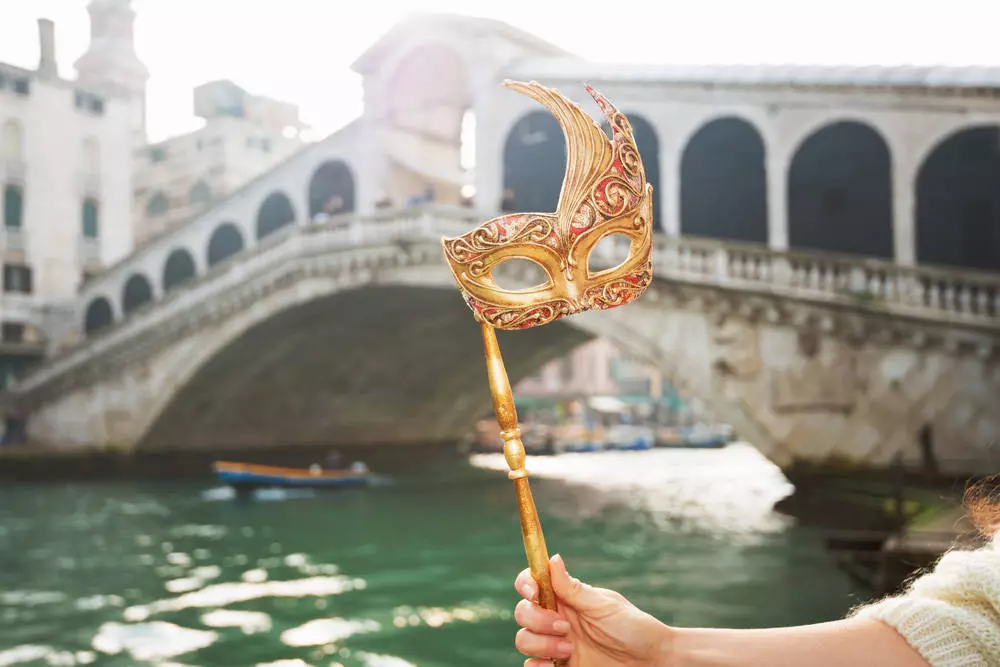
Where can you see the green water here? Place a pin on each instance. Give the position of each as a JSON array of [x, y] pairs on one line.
[[415, 571]]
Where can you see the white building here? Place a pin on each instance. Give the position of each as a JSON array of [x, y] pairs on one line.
[[65, 174], [244, 136]]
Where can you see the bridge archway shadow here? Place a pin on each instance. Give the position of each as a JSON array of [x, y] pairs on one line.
[[370, 365], [958, 201], [724, 182], [840, 192]]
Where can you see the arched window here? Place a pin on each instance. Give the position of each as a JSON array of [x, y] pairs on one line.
[[13, 207], [157, 205], [136, 293], [226, 241], [12, 141], [200, 193], [89, 218], [534, 163], [98, 316], [331, 189], [724, 183], [840, 192], [276, 212], [178, 269], [958, 201]]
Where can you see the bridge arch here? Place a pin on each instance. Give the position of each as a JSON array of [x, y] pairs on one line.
[[178, 269], [99, 315], [331, 189], [275, 212], [226, 241], [958, 201], [724, 182], [534, 163], [384, 372], [839, 191], [137, 292]]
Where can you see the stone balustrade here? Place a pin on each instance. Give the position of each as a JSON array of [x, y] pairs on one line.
[[928, 293], [946, 295]]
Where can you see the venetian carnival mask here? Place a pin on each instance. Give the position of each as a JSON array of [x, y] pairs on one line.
[[604, 193]]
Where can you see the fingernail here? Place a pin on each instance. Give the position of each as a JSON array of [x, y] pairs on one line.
[[529, 591], [562, 627], [565, 647], [558, 559]]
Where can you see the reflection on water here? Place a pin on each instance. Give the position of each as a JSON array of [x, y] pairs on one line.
[[411, 574], [724, 491]]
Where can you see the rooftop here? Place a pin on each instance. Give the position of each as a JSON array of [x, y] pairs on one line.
[[903, 76]]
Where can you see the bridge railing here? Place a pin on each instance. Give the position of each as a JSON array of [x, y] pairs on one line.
[[258, 265], [966, 297], [959, 295]]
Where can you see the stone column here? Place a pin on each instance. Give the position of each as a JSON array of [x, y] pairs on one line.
[[670, 187], [370, 153], [776, 163], [490, 134], [904, 209]]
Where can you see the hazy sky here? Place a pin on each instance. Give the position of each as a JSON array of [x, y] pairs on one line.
[[301, 50]]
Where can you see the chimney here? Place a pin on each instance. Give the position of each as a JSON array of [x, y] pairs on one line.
[[47, 67]]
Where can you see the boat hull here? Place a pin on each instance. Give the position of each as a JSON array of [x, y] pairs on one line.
[[248, 477]]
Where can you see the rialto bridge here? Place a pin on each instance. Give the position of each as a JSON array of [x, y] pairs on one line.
[[826, 265]]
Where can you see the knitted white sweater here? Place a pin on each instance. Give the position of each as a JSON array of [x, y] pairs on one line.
[[950, 616]]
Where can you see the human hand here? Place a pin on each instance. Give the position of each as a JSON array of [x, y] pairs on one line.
[[594, 627]]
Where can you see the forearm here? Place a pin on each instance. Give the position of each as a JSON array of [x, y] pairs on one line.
[[848, 643]]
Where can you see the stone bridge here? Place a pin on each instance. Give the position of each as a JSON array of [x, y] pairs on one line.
[[352, 331], [803, 215]]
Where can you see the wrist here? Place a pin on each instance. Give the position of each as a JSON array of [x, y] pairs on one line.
[[670, 641], [690, 647]]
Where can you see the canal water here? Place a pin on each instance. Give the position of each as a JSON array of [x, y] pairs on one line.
[[414, 571]]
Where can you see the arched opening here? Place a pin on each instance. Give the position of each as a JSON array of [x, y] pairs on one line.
[[225, 242], [12, 141], [98, 315], [200, 193], [91, 156], [89, 219], [331, 189], [724, 183], [137, 292], [276, 212], [840, 192], [157, 205], [958, 201], [534, 163], [427, 98], [178, 269]]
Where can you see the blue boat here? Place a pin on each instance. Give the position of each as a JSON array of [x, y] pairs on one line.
[[247, 476]]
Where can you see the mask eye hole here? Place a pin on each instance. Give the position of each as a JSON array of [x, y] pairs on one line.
[[609, 253], [519, 274]]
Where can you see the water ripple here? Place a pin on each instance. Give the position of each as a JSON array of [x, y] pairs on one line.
[[220, 595]]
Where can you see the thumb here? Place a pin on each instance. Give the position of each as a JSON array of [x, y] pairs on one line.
[[569, 590]]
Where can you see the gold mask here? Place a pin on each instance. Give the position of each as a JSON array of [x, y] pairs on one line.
[[604, 192]]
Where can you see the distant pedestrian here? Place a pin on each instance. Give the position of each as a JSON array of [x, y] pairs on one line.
[[334, 460]]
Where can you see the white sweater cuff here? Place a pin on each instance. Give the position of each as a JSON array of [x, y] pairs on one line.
[[929, 628]]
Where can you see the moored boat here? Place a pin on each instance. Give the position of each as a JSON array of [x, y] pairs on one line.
[[246, 476]]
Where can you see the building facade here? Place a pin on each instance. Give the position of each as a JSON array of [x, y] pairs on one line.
[[244, 136], [65, 177]]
